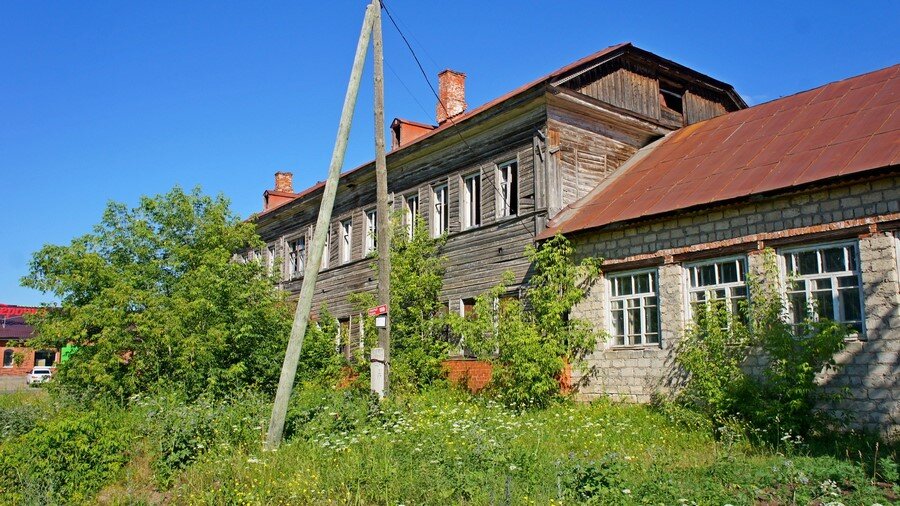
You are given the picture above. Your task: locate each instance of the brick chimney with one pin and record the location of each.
(283, 192)
(284, 182)
(452, 91)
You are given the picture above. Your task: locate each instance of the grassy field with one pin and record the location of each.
(444, 447)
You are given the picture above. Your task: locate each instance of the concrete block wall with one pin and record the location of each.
(865, 212)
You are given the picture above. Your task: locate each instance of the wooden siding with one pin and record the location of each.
(698, 108)
(582, 158)
(473, 261)
(625, 89)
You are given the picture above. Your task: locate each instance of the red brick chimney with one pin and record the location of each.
(452, 91)
(284, 182)
(283, 192)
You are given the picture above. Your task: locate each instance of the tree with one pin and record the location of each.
(530, 341)
(152, 298)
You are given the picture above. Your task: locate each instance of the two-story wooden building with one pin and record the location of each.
(490, 178)
(665, 174)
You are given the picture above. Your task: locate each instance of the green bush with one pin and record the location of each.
(529, 342)
(778, 401)
(183, 432)
(20, 412)
(67, 458)
(152, 297)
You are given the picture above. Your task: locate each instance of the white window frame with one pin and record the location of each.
(326, 255)
(345, 247)
(507, 188)
(270, 258)
(371, 232)
(729, 287)
(440, 212)
(611, 280)
(786, 260)
(411, 212)
(295, 262)
(471, 201)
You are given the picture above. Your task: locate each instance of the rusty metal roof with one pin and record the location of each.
(843, 128)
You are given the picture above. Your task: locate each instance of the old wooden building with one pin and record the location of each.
(665, 174)
(490, 178)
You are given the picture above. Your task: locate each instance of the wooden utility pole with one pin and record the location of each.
(314, 262)
(383, 208)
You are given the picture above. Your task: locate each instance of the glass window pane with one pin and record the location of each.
(634, 321)
(850, 309)
(739, 291)
(729, 272)
(651, 338)
(851, 257)
(624, 284)
(824, 304)
(651, 317)
(707, 275)
(642, 283)
(618, 320)
(809, 263)
(822, 284)
(834, 259)
(848, 281)
(798, 306)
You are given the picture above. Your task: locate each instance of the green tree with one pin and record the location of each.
(152, 298)
(419, 337)
(780, 397)
(530, 341)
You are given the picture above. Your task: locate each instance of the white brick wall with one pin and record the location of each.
(871, 367)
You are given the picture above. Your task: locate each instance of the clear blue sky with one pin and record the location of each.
(108, 100)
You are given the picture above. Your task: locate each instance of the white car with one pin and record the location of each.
(39, 375)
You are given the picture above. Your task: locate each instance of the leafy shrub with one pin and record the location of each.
(779, 400)
(315, 410)
(182, 432)
(320, 362)
(19, 413)
(152, 297)
(530, 342)
(67, 458)
(589, 482)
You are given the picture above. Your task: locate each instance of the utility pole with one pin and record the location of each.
(382, 210)
(314, 263)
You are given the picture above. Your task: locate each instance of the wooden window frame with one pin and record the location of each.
(642, 307)
(470, 203)
(506, 172)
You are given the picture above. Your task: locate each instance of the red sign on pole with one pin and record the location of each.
(377, 310)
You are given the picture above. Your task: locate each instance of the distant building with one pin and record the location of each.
(18, 358)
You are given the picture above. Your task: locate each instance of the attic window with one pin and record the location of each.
(670, 98)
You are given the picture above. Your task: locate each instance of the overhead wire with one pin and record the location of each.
(441, 102)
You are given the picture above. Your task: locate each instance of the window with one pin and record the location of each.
(8, 358)
(634, 308)
(343, 337)
(412, 212)
(346, 240)
(721, 280)
(471, 210)
(296, 257)
(326, 252)
(270, 258)
(371, 232)
(440, 213)
(824, 282)
(508, 198)
(44, 358)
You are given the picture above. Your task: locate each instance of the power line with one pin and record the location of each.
(441, 102)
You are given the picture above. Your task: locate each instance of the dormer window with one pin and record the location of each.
(671, 98)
